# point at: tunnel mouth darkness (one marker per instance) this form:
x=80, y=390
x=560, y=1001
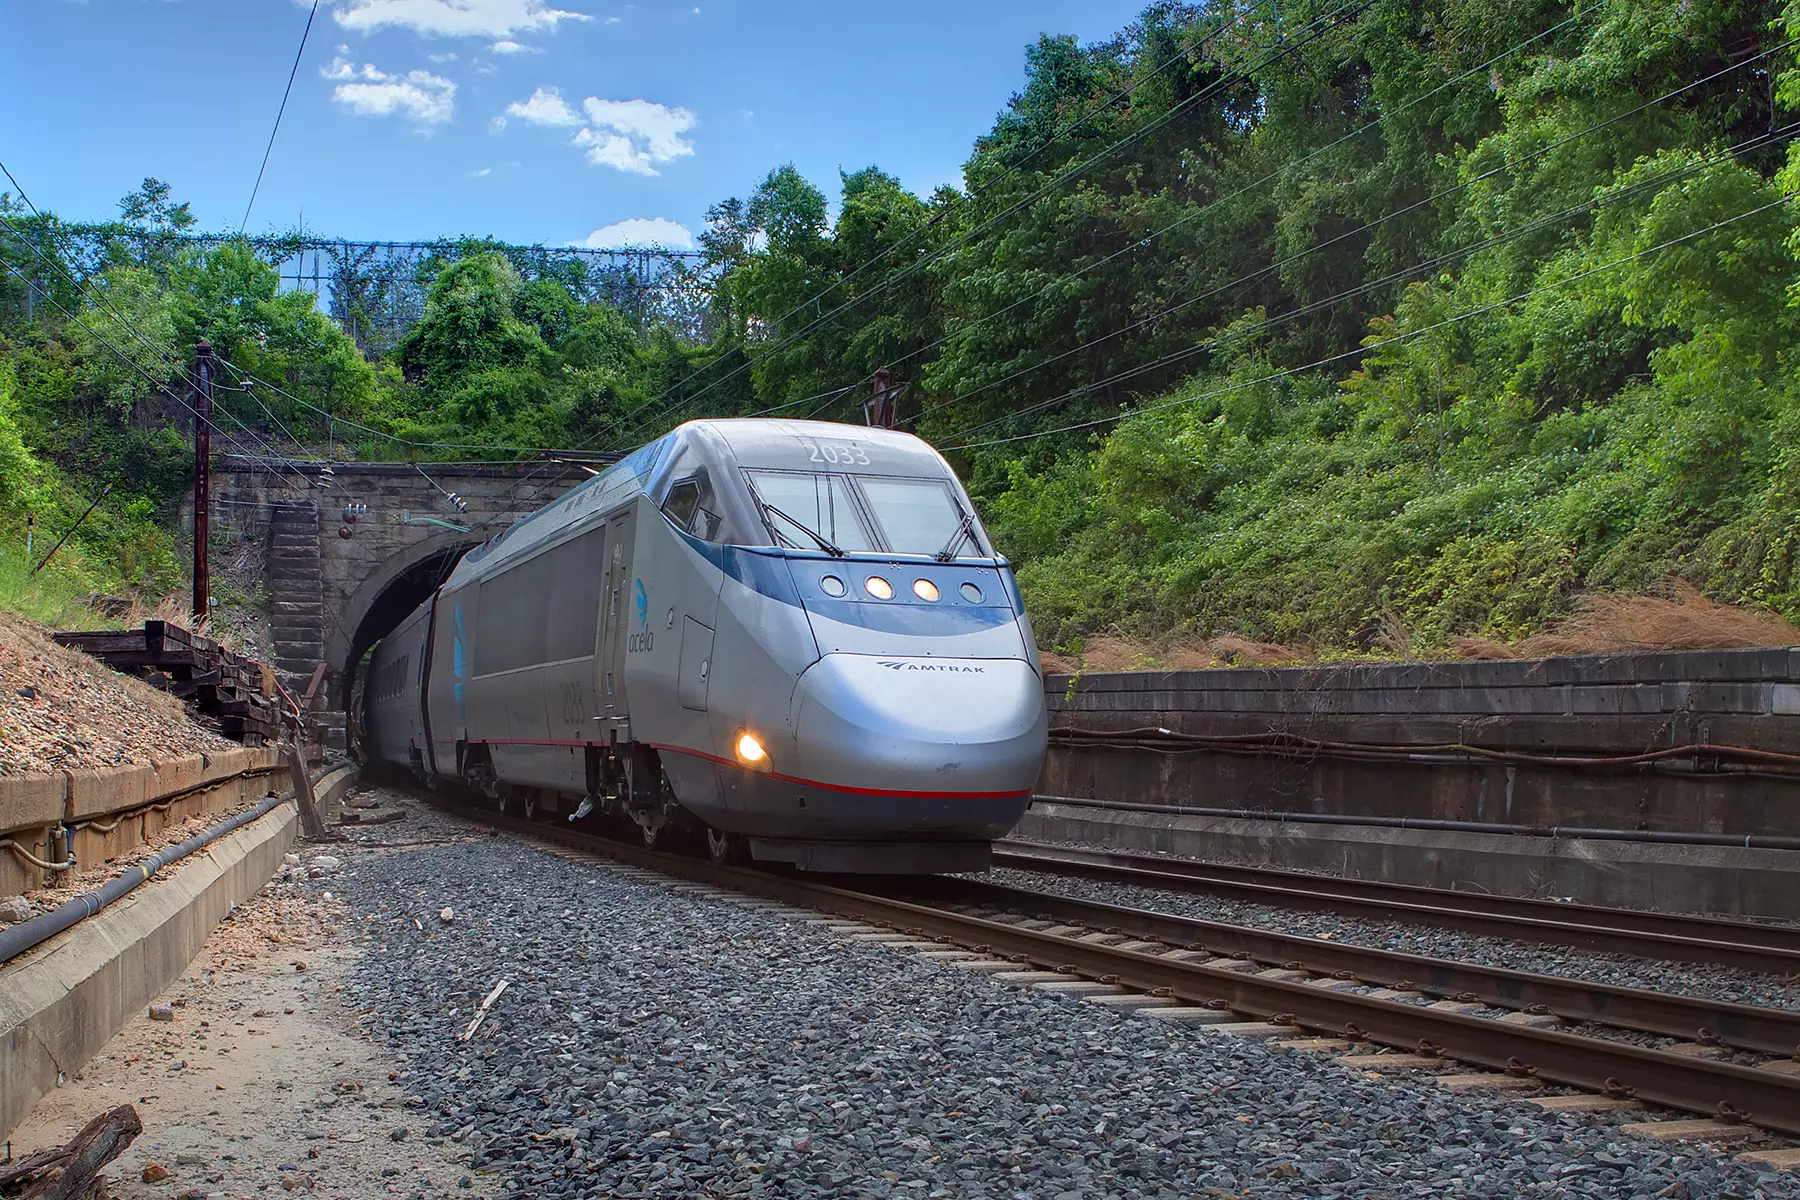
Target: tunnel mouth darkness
x=391, y=606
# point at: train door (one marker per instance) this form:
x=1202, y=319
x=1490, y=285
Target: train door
x=622, y=613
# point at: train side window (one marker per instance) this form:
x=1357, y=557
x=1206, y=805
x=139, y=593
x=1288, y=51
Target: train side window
x=691, y=507
x=683, y=499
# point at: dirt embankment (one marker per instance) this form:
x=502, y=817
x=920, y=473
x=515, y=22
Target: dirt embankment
x=1604, y=623
x=61, y=709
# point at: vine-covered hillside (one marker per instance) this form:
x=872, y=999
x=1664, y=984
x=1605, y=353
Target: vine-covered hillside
x=1349, y=326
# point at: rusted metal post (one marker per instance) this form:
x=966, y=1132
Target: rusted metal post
x=203, y=412
x=878, y=410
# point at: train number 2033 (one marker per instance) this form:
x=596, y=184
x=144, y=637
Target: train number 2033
x=841, y=454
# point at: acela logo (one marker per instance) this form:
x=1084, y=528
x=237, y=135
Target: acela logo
x=643, y=639
x=941, y=667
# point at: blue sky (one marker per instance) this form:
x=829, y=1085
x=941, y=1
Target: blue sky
x=527, y=120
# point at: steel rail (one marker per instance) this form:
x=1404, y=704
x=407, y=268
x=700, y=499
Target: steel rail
x=1745, y=1026
x=1677, y=1081
x=1773, y=949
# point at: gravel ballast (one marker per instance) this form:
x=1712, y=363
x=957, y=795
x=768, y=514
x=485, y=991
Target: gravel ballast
x=654, y=1042
x=1703, y=980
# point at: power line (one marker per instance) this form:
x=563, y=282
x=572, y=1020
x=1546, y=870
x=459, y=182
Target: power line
x=1054, y=137
x=1272, y=267
x=1286, y=168
x=123, y=357
x=278, y=115
x=1395, y=340
x=1635, y=189
x=99, y=294
x=1318, y=28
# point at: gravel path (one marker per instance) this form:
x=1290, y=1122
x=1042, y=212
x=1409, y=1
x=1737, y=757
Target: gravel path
x=656, y=1043
x=1690, y=979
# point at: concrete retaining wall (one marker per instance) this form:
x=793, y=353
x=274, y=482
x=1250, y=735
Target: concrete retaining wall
x=1721, y=880
x=62, y=1001
x=1587, y=705
x=111, y=811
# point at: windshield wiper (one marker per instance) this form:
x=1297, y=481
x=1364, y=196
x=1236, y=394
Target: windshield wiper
x=825, y=544
x=963, y=529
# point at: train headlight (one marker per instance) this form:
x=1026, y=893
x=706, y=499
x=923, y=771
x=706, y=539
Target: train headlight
x=924, y=589
x=750, y=752
x=878, y=587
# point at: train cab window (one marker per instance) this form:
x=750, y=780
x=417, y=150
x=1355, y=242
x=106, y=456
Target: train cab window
x=687, y=506
x=800, y=507
x=919, y=516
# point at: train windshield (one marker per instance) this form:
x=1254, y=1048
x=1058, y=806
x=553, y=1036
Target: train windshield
x=918, y=516
x=819, y=511
x=803, y=508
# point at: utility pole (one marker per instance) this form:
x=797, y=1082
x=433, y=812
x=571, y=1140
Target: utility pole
x=203, y=412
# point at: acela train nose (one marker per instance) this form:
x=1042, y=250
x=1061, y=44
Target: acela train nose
x=934, y=728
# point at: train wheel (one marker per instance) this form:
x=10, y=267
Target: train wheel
x=723, y=848
x=652, y=834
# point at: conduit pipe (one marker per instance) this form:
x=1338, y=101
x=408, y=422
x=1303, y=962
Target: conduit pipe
x=1751, y=841
x=17, y=939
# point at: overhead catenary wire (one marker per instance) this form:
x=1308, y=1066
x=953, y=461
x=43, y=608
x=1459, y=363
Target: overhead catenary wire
x=1396, y=339
x=1536, y=225
x=1316, y=29
x=279, y=112
x=1287, y=168
x=179, y=368
x=1013, y=167
x=129, y=361
x=1140, y=243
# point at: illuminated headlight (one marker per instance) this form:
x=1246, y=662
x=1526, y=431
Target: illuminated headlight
x=924, y=589
x=750, y=752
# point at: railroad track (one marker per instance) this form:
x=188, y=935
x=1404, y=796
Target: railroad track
x=1771, y=949
x=1192, y=971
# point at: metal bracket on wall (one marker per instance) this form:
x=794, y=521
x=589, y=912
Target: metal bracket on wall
x=407, y=518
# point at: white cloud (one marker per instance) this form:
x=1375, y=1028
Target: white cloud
x=369, y=91
x=448, y=57
x=613, y=20
x=455, y=18
x=497, y=125
x=639, y=231
x=545, y=107
x=510, y=47
x=632, y=135
x=627, y=135
x=483, y=173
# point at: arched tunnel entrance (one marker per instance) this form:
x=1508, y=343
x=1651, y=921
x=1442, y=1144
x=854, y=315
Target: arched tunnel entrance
x=385, y=600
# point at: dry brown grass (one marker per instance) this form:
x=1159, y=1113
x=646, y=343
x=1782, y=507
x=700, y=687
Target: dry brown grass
x=1617, y=622
x=176, y=609
x=1604, y=623
x=1112, y=653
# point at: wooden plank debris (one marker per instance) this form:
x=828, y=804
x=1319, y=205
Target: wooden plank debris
x=217, y=683
x=482, y=1012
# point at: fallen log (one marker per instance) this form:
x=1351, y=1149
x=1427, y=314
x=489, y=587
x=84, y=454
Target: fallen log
x=72, y=1172
x=387, y=817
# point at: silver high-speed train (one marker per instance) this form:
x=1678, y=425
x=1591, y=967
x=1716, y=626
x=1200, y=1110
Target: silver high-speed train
x=791, y=636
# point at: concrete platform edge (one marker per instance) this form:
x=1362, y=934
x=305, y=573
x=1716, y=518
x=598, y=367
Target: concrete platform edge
x=62, y=1002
